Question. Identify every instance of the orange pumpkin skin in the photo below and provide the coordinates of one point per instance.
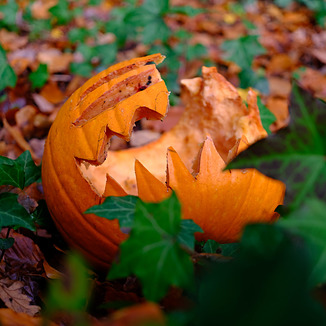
(76, 175)
(221, 202)
(67, 193)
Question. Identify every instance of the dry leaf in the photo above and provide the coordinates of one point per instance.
(143, 137)
(147, 313)
(16, 133)
(40, 8)
(24, 257)
(52, 93)
(9, 317)
(43, 104)
(12, 294)
(55, 60)
(10, 41)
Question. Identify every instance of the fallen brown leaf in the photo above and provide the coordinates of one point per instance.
(42, 103)
(12, 294)
(16, 133)
(9, 317)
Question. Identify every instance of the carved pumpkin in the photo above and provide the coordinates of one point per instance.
(79, 171)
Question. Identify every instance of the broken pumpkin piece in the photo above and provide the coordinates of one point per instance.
(222, 202)
(79, 170)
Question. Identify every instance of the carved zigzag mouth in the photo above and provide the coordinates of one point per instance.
(116, 90)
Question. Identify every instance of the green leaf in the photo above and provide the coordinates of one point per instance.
(87, 51)
(211, 246)
(196, 51)
(283, 3)
(152, 251)
(40, 76)
(121, 208)
(62, 12)
(32, 172)
(266, 116)
(13, 214)
(156, 29)
(7, 74)
(83, 69)
(11, 173)
(107, 53)
(78, 34)
(230, 249)
(156, 7)
(270, 262)
(309, 222)
(243, 50)
(138, 17)
(9, 15)
(186, 10)
(296, 154)
(21, 172)
(94, 2)
(186, 235)
(251, 78)
(72, 292)
(6, 243)
(41, 215)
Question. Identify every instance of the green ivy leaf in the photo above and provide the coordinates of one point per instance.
(211, 246)
(107, 53)
(40, 76)
(186, 10)
(41, 214)
(230, 249)
(32, 172)
(13, 214)
(243, 50)
(121, 208)
(309, 222)
(186, 234)
(9, 15)
(83, 69)
(296, 154)
(266, 116)
(255, 79)
(78, 34)
(11, 173)
(156, 7)
(152, 251)
(196, 51)
(6, 243)
(21, 172)
(62, 12)
(156, 29)
(7, 74)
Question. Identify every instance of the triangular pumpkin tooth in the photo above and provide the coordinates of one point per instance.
(240, 145)
(150, 189)
(210, 163)
(113, 188)
(177, 173)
